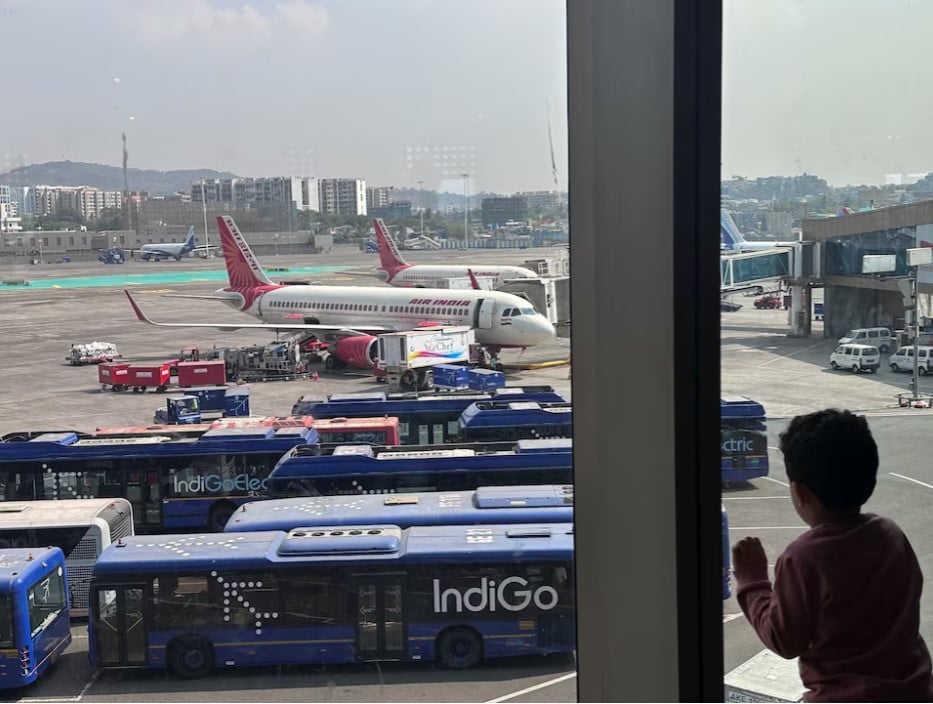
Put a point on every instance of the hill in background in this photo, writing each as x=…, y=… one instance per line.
x=108, y=178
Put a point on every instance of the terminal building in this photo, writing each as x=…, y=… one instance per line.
x=853, y=299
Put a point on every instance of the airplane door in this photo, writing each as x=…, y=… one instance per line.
x=482, y=317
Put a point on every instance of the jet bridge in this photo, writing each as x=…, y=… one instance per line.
x=745, y=270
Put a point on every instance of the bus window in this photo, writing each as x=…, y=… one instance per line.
x=6, y=621
x=46, y=601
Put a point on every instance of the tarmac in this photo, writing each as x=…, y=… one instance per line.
x=39, y=324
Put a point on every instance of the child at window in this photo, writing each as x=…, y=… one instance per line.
x=846, y=594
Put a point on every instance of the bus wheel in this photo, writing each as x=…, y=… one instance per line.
x=459, y=648
x=191, y=657
x=219, y=516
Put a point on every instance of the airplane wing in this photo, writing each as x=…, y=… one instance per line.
x=280, y=327
x=368, y=274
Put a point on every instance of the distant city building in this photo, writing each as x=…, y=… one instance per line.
x=498, y=211
x=779, y=224
x=8, y=221
x=301, y=192
x=342, y=196
x=85, y=201
x=398, y=209
x=377, y=197
x=541, y=200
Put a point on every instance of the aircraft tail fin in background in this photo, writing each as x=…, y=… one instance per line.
x=190, y=240
x=243, y=268
x=473, y=282
x=389, y=256
x=729, y=231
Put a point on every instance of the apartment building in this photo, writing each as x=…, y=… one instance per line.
x=343, y=196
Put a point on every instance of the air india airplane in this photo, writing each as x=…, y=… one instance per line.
x=357, y=314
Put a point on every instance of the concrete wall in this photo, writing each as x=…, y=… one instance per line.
x=848, y=307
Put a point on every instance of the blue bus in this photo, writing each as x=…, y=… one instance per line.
x=491, y=421
x=456, y=595
x=487, y=504
x=428, y=419
x=744, y=439
x=172, y=484
x=363, y=469
x=35, y=623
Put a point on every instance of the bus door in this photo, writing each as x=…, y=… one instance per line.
x=379, y=616
x=144, y=492
x=118, y=625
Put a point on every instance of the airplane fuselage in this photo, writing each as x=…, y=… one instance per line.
x=501, y=319
x=426, y=275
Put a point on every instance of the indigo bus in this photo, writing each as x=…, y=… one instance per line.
x=82, y=528
x=310, y=470
x=172, y=484
x=456, y=595
x=35, y=624
x=428, y=419
x=374, y=431
x=487, y=504
x=489, y=421
x=744, y=439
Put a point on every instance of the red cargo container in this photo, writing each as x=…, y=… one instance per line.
x=113, y=374
x=213, y=373
x=148, y=376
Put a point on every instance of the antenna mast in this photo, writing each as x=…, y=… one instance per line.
x=126, y=187
x=550, y=141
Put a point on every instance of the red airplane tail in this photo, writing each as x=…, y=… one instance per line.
x=389, y=256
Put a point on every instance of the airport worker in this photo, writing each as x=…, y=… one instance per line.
x=846, y=593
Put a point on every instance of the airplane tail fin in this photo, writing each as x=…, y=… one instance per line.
x=474, y=284
x=389, y=256
x=243, y=268
x=731, y=236
x=190, y=240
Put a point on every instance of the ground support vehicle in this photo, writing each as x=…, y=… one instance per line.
x=92, y=353
x=221, y=401
x=407, y=358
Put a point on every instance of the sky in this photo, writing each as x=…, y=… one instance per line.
x=391, y=91
x=835, y=88
x=401, y=91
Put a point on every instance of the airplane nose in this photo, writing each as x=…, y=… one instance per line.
x=540, y=330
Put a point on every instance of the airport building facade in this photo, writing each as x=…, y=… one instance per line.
x=853, y=299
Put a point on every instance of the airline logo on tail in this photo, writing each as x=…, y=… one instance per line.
x=189, y=242
x=729, y=231
x=389, y=257
x=246, y=275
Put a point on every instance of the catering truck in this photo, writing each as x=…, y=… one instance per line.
x=406, y=358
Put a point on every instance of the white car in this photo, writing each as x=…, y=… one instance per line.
x=903, y=359
x=879, y=337
x=858, y=358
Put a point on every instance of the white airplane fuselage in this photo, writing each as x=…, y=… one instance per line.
x=425, y=275
x=501, y=319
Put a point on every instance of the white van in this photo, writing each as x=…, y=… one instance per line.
x=876, y=337
x=903, y=359
x=858, y=358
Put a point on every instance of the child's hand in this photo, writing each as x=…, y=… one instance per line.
x=749, y=562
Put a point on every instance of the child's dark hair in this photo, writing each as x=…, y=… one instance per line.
x=834, y=455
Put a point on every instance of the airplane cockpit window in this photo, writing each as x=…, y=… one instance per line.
x=527, y=311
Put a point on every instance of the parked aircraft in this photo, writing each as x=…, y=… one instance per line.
x=734, y=241
x=356, y=314
x=174, y=250
x=396, y=271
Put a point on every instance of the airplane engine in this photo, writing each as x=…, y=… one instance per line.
x=358, y=351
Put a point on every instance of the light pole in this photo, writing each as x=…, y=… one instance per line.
x=421, y=205
x=466, y=209
x=207, y=248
